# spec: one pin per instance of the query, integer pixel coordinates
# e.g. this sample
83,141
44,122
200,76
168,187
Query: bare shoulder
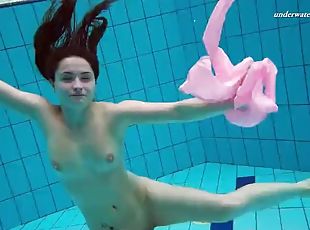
109,107
114,111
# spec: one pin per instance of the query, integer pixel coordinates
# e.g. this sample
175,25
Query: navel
106,227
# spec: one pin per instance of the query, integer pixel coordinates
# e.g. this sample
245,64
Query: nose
77,85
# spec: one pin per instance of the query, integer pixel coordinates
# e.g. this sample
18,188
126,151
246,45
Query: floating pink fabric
243,82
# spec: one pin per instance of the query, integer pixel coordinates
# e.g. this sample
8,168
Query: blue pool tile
227,179
17,177
133,76
196,151
133,142
292,55
296,85
303,155
288,156
238,151
168,160
248,16
211,149
180,226
272,50
245,222
180,177
177,133
33,225
301,121
119,13
224,150
253,151
243,171
267,218
5,191
10,31
242,181
265,10
211,177
162,135
154,166
232,24
26,207
291,6
163,65
266,129
291,203
44,200
293,218
199,21
222,226
166,6
171,27
183,156
148,138
178,62
125,41
9,215
151,8
270,153
35,171
66,218
139,29
118,80
194,178
109,46
138,165
250,50
281,94
25,139
135,10
50,220
187,30
9,150
28,26
305,34
148,71
169,92
61,197
157,35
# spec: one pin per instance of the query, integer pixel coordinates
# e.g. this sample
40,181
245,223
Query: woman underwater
85,138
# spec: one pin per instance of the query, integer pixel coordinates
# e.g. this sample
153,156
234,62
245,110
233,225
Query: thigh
169,204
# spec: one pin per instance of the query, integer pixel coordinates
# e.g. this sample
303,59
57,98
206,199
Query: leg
175,204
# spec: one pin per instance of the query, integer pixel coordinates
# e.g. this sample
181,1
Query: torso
90,163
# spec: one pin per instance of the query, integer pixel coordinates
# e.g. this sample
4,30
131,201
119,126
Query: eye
86,78
67,78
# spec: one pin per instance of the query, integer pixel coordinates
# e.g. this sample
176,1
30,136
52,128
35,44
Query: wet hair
55,39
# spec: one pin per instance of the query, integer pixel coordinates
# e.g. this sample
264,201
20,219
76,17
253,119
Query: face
74,82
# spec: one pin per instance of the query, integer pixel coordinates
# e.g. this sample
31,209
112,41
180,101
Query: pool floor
292,214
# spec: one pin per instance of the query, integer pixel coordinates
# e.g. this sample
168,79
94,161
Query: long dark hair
58,36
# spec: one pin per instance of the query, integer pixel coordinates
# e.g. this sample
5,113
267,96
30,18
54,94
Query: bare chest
95,148
91,153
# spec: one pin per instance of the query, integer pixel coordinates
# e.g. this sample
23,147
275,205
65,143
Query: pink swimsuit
251,84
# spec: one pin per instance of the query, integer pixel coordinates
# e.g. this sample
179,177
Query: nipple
56,165
110,157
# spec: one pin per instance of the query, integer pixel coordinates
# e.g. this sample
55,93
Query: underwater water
145,55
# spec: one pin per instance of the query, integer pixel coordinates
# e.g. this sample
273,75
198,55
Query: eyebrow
68,72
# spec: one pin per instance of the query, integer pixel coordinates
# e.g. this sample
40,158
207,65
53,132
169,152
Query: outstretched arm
23,102
193,109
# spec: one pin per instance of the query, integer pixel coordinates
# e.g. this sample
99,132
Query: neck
76,118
